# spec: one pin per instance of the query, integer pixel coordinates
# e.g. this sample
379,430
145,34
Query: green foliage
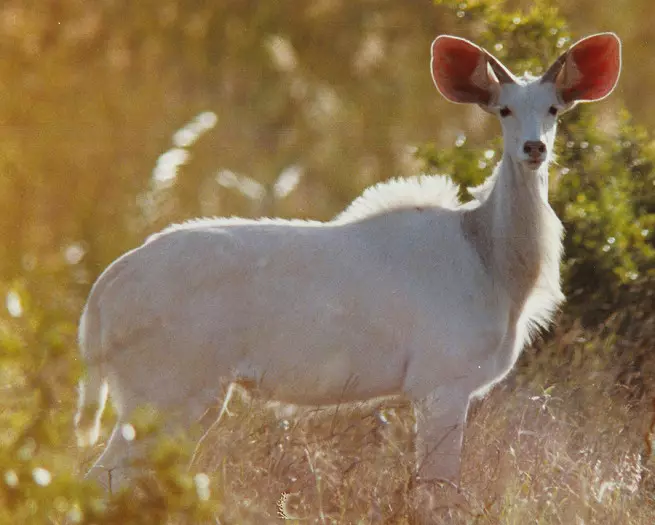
529,37
605,195
467,165
40,478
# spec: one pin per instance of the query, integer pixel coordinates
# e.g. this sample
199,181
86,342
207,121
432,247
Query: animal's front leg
440,420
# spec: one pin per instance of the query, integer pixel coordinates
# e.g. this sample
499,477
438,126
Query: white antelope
407,292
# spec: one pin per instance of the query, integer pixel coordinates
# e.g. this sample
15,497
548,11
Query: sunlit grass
570,454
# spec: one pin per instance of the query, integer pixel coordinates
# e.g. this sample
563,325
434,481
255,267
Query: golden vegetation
283,109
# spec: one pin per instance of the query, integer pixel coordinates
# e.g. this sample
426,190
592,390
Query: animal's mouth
533,164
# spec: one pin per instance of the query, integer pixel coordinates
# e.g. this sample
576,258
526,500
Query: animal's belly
328,369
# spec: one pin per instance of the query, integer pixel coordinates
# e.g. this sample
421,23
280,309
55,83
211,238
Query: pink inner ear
598,61
453,62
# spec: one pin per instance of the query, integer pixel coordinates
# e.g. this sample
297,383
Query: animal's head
527,107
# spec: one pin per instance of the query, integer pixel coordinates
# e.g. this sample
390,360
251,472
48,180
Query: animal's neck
512,227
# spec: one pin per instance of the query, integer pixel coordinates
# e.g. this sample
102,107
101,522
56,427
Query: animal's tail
92,388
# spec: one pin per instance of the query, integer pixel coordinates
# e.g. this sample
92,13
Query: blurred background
119,117
322,97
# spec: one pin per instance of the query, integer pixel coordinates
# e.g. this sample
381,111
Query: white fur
407,292
412,192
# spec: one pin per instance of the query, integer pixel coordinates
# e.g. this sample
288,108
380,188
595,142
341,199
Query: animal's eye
552,110
505,111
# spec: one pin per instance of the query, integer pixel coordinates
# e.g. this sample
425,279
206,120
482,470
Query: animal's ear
589,70
464,72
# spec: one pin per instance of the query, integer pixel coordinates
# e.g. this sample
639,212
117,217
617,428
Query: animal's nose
534,148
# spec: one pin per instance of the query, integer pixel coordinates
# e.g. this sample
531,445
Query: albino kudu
407,292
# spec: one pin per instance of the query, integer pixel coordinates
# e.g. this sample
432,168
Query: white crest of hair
220,222
412,192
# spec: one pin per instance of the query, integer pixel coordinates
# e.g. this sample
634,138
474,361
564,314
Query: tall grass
571,453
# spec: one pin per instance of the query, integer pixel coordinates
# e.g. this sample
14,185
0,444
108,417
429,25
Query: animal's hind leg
111,469
119,462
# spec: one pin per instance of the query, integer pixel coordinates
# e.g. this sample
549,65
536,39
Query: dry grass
572,454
